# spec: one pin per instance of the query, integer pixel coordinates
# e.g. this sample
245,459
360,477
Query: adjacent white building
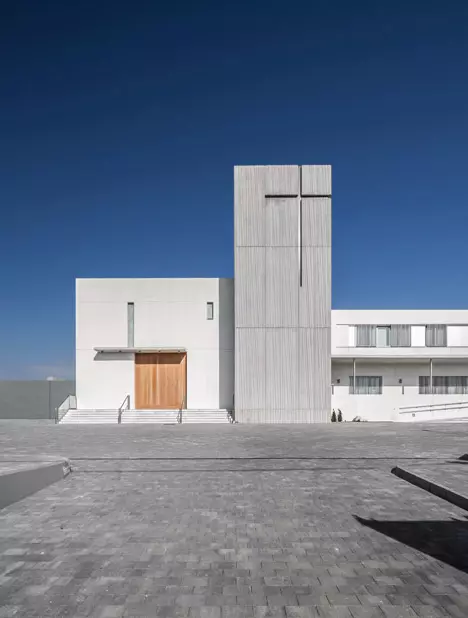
268,347
400,365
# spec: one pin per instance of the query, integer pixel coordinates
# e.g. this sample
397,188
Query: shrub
333,417
340,416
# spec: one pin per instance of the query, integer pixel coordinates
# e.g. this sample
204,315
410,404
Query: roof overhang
138,350
406,359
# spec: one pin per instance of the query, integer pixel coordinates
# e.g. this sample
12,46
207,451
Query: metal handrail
432,406
183,405
69,403
122,408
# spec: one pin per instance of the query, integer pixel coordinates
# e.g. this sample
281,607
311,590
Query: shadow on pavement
444,540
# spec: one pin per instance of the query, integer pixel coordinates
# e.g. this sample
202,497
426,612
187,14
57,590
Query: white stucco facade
172,313
270,347
168,313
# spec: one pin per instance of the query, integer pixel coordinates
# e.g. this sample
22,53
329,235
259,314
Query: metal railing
69,403
125,406
435,407
183,405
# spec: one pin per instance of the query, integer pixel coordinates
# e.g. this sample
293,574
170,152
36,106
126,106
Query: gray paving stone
205,612
171,611
398,612
237,612
301,612
455,612
220,600
373,600
190,600
290,522
113,611
339,611
366,612
313,599
262,611
9,611
280,600
426,611
342,599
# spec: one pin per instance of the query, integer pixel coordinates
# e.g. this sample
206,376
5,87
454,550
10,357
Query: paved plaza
233,521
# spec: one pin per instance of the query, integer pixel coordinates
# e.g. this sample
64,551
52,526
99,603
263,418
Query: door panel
160,381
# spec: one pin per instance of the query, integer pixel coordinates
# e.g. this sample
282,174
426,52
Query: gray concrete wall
282,229
20,480
32,399
226,344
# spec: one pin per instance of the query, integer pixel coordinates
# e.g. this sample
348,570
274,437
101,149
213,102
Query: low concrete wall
16,484
33,399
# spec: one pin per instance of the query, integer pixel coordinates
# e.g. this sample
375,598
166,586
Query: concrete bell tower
282,232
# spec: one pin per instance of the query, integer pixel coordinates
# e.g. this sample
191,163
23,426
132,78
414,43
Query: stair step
133,416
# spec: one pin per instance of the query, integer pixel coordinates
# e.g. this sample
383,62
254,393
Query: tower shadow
446,541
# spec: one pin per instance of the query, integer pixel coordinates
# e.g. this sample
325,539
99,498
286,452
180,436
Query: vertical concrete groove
288,381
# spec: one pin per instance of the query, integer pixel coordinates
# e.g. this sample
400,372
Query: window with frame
130,325
366,385
375,336
436,335
443,385
365,336
382,336
400,336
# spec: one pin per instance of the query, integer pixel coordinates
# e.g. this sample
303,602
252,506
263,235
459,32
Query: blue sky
120,124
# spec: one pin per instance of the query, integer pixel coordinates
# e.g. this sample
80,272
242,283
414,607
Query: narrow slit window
210,311
130,325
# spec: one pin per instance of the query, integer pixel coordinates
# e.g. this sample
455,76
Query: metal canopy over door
160,381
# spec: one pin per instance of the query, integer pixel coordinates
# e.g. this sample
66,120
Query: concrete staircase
205,416
87,417
130,417
164,417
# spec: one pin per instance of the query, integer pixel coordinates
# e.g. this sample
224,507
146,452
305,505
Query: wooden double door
160,381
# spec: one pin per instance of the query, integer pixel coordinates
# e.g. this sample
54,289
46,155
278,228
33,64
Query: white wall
457,336
418,336
103,381
342,335
343,332
386,407
172,313
400,316
226,343
168,313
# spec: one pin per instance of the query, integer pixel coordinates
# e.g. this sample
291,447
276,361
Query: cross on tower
298,197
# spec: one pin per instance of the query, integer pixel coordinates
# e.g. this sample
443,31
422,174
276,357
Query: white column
354,376
430,379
